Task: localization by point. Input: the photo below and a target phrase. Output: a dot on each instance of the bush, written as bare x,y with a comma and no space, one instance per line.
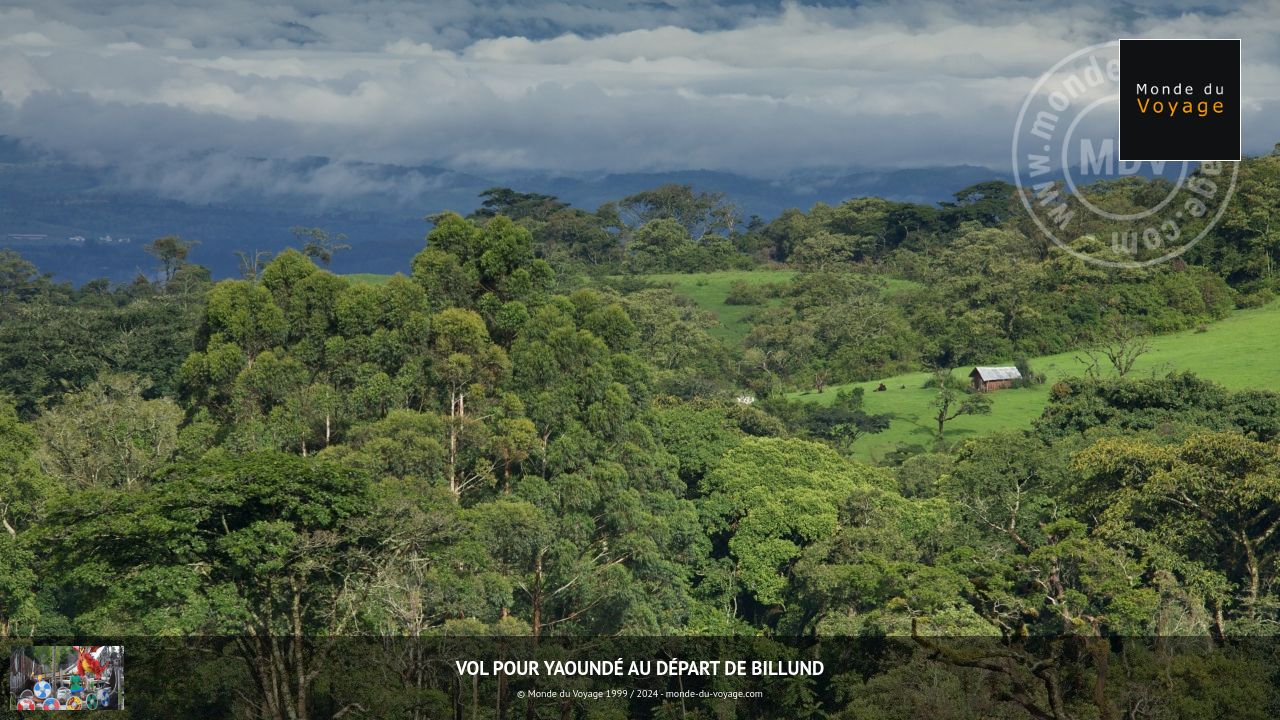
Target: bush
1030,378
1255,299
953,381
743,293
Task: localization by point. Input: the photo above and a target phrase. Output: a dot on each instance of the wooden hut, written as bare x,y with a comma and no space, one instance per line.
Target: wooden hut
986,379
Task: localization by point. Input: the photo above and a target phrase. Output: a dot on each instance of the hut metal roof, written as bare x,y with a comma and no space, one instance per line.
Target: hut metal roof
996,373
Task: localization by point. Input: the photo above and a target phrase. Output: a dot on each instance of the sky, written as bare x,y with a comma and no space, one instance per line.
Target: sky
758,88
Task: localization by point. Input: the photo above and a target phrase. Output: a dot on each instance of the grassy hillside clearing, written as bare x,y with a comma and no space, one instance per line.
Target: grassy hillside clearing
710,289
1242,351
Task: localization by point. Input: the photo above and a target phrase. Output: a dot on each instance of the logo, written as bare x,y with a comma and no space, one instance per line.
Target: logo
1086,200
1180,99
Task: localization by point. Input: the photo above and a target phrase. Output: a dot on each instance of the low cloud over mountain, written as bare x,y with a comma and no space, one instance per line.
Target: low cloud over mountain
171,91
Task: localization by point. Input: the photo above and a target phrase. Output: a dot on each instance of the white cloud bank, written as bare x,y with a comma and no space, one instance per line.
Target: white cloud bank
760,90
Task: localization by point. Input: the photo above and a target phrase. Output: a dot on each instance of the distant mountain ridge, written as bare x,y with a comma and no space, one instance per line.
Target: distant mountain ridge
233,203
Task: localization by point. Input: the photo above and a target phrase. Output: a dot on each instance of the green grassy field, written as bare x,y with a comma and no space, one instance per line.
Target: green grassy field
709,290
1238,352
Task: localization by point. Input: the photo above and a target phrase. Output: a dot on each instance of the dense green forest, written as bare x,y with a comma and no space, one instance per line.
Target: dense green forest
530,434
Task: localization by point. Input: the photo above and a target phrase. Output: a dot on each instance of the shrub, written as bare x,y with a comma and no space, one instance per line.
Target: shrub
1030,378
1255,299
743,293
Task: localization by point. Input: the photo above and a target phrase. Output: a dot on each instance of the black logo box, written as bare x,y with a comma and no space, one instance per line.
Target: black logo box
1181,65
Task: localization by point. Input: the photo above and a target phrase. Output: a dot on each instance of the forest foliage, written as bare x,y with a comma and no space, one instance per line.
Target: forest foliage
512,440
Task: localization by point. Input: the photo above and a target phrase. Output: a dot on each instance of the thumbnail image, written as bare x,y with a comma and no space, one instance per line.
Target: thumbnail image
67,677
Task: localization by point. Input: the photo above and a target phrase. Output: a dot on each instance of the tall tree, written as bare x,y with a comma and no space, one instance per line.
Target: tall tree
318,244
17,445
246,314
109,435
467,364
1212,501
19,279
517,205
1122,342
465,265
954,400
698,212
171,251
769,498
268,548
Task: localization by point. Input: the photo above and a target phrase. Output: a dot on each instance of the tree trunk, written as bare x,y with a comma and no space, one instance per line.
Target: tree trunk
298,654
1251,567
536,599
457,699
1100,648
502,696
1219,633
457,414
453,444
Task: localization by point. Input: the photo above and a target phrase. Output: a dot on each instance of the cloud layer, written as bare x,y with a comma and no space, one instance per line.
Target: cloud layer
754,88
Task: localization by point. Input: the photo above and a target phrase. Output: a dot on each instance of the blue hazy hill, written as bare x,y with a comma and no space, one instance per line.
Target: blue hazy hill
250,204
